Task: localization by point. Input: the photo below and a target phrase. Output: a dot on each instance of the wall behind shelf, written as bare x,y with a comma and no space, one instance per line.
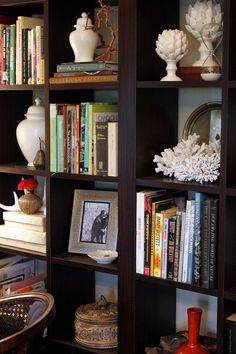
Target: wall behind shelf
186,299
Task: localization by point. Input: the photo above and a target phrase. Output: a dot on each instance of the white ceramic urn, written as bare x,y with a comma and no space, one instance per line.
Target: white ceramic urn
84,39
30,130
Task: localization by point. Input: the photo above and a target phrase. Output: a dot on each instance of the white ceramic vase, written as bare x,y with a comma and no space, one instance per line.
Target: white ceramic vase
30,130
84,40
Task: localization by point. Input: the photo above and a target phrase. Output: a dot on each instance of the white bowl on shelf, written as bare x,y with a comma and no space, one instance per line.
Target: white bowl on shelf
103,257
210,76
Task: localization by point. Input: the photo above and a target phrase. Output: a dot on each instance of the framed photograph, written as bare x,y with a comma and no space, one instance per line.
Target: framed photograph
94,221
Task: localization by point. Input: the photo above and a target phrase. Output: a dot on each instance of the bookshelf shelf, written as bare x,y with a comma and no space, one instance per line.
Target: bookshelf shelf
178,285
20,169
81,177
178,84
85,86
73,260
21,87
26,253
165,182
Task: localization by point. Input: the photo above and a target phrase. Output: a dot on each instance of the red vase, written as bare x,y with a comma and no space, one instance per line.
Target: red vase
193,346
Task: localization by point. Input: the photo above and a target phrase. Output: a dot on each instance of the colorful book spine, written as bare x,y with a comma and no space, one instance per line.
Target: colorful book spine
181,246
53,137
12,74
199,197
213,243
191,244
82,136
61,108
189,206
89,66
171,247
177,244
205,243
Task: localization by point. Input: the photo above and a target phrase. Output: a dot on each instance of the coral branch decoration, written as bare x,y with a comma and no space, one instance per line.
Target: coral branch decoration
190,161
109,45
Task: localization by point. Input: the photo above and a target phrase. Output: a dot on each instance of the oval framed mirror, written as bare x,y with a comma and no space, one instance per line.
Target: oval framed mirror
204,121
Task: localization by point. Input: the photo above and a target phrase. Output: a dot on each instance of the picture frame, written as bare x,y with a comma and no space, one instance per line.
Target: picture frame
94,221
205,121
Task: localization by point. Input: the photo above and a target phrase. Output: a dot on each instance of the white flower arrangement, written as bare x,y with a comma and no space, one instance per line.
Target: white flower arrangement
189,161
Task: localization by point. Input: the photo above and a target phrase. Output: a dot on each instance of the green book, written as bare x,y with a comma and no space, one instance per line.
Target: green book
53,137
88,66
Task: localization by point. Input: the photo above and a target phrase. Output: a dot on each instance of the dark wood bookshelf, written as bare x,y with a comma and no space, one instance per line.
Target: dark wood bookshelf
148,123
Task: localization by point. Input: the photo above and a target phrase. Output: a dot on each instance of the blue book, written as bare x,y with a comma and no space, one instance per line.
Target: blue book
191,243
199,198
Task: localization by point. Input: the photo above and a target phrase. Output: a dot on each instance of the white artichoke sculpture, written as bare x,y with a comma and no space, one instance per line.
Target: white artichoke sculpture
171,46
204,21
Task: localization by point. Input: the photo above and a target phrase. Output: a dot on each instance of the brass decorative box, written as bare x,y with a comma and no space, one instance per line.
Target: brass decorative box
96,324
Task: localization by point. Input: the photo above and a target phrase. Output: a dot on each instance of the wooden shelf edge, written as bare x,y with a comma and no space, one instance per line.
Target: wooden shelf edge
177,285
58,175
70,342
23,252
83,261
172,183
21,87
20,168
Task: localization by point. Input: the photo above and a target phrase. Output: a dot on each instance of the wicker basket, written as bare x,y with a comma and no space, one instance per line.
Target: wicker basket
96,325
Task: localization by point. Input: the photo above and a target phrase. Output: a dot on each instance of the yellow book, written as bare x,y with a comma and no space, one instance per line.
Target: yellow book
159,220
82,79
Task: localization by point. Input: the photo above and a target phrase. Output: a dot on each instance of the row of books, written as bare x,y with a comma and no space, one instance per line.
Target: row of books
84,138
19,274
24,231
21,50
177,237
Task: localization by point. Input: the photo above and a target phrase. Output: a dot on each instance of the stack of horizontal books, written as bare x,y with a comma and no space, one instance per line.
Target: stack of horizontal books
94,71
24,231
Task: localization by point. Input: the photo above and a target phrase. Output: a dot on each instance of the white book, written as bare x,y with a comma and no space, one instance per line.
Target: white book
23,235
18,216
113,149
189,212
29,246
181,247
21,225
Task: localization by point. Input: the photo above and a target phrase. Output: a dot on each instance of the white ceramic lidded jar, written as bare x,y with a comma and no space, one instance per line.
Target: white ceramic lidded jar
30,130
84,39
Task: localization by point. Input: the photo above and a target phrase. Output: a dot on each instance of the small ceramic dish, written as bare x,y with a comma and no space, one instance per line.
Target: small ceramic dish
210,76
103,257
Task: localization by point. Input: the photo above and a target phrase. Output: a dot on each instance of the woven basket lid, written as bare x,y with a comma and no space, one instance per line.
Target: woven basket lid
101,311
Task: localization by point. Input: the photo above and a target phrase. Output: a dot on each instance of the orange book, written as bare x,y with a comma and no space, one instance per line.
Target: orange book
82,79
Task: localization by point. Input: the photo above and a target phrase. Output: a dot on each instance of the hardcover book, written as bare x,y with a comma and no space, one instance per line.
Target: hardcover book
88,66
20,234
28,246
18,216
83,79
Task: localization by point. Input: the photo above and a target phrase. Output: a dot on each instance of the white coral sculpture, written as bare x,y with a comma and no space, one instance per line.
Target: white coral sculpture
190,161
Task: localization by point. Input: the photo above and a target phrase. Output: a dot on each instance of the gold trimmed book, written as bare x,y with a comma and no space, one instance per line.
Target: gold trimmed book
83,79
